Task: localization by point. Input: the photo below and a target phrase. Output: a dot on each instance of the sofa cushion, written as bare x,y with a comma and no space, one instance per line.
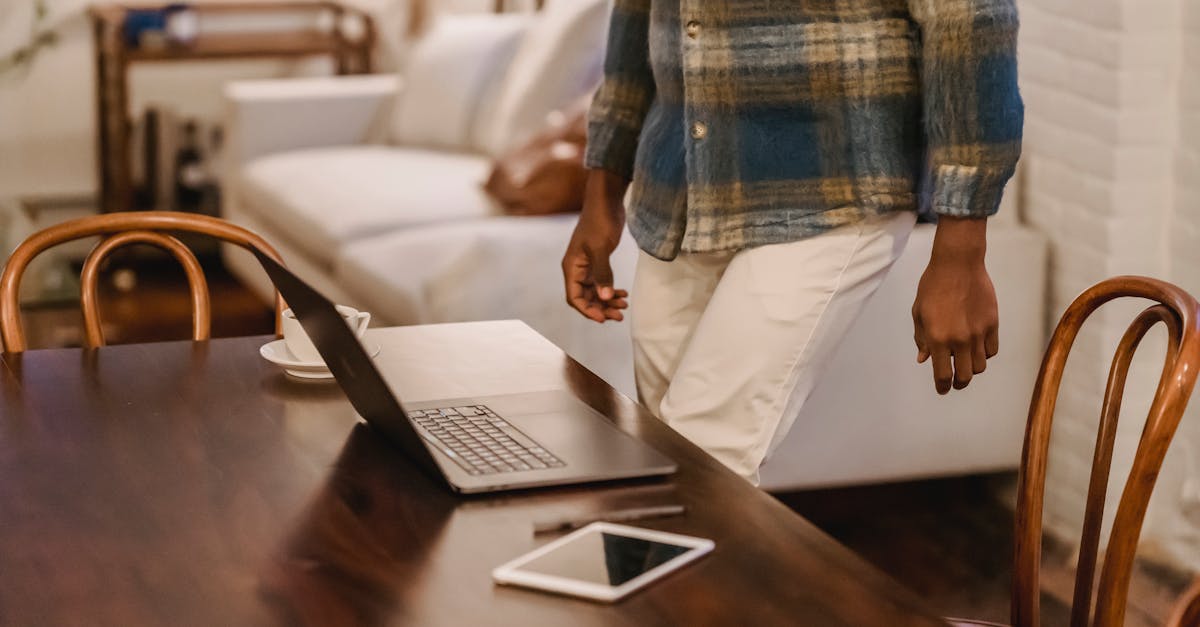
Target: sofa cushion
451,75
323,198
498,268
560,60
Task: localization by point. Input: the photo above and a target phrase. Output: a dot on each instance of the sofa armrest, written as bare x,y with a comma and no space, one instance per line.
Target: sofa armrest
874,416
270,116
488,269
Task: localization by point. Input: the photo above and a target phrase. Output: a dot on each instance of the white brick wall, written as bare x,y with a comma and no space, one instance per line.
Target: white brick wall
1177,510
1111,161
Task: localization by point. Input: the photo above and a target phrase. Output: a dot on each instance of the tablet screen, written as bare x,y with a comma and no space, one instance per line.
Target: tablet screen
604,558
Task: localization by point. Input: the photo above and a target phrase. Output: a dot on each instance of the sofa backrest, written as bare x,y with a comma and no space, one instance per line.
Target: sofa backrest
486,83
560,59
449,75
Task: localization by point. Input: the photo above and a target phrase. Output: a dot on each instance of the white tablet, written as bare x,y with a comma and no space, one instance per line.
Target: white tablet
602,561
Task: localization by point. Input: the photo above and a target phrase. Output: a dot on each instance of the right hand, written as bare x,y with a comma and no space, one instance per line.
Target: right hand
586,269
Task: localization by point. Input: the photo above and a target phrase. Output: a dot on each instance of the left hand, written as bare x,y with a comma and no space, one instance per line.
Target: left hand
955,316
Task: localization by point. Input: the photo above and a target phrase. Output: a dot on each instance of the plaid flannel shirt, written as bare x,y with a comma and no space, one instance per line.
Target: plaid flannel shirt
751,122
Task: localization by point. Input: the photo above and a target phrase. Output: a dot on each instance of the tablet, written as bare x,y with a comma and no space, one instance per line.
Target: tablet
602,561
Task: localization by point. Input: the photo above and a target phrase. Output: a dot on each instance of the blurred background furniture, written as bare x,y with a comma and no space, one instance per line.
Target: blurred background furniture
1180,314
53,278
121,229
384,211
500,6
1187,613
321,28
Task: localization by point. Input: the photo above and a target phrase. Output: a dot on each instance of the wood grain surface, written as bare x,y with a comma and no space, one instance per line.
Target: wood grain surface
195,484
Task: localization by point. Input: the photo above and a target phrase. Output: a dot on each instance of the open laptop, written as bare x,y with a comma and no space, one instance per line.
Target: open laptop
481,444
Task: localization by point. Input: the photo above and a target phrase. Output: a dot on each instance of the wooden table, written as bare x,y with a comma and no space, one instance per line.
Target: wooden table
195,484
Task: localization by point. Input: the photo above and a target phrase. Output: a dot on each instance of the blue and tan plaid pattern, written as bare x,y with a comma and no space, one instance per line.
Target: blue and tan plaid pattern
751,122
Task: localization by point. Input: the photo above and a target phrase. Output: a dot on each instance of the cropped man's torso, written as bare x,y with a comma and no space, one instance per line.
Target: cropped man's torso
769,121
797,120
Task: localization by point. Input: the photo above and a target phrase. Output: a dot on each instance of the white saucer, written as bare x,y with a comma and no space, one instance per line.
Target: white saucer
277,353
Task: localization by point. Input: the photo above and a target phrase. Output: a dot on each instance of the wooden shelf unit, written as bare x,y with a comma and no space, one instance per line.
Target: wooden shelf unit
114,56
244,47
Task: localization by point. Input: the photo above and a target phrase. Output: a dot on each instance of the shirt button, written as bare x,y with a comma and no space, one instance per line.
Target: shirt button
693,29
699,130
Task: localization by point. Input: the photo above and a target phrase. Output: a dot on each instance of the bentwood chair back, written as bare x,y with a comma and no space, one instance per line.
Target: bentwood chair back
1187,611
117,230
1103,605
1178,312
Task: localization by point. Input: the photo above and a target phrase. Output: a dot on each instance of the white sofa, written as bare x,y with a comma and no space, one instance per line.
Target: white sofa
407,233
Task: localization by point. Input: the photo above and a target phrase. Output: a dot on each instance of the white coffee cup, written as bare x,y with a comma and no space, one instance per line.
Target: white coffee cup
298,341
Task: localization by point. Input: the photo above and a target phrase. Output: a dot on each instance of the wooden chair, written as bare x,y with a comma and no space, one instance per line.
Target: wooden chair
1187,612
1178,311
121,229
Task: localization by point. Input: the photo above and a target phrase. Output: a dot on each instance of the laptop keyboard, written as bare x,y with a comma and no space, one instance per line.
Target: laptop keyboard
482,442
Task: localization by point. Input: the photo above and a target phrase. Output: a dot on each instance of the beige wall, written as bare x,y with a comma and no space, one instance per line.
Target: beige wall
45,112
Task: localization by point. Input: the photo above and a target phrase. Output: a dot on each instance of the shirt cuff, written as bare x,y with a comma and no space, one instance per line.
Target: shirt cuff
967,191
611,147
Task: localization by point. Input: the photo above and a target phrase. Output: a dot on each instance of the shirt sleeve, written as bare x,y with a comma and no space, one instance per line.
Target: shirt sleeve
972,107
620,106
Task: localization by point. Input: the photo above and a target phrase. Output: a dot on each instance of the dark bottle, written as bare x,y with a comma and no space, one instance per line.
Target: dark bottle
190,175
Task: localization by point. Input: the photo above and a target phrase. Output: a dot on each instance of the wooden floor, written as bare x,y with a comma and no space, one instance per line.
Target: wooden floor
949,540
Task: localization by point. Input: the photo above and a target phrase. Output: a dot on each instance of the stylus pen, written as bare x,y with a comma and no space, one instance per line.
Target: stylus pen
616,516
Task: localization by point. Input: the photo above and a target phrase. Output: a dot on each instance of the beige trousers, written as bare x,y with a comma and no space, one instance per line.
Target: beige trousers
728,346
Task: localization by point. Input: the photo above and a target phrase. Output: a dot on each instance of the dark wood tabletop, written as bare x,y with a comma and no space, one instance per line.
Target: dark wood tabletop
191,483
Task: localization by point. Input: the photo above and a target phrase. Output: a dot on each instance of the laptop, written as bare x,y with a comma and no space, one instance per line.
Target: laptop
478,444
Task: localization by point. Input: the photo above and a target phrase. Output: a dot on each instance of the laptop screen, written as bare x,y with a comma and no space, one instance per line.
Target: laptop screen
349,362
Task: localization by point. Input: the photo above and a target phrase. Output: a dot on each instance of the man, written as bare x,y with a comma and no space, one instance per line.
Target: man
778,152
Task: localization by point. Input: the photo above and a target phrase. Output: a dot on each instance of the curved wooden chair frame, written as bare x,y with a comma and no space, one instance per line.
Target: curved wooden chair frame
1178,311
122,229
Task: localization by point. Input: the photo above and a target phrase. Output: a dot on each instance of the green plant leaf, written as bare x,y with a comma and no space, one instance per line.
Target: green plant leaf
40,37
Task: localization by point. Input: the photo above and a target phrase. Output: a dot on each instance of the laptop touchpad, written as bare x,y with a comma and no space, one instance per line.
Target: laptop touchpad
524,404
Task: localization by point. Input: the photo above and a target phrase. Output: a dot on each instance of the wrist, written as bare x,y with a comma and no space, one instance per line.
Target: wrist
604,194
960,240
